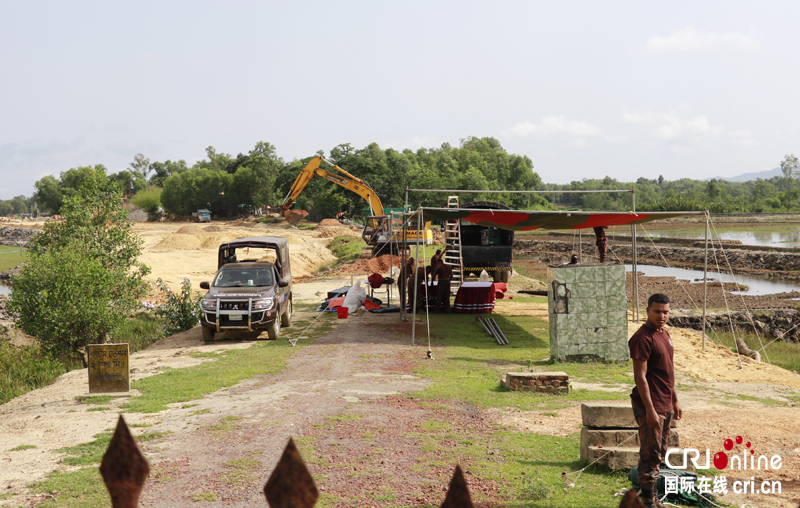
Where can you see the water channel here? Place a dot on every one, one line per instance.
(781, 238)
(755, 285)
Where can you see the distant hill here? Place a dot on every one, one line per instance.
(746, 177)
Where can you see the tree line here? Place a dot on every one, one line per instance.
(228, 185)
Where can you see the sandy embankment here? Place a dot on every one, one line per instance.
(173, 251)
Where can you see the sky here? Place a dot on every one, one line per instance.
(584, 89)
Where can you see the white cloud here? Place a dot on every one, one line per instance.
(691, 39)
(685, 131)
(554, 126)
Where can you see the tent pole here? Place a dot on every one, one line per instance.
(705, 285)
(634, 264)
(403, 262)
(414, 304)
(580, 246)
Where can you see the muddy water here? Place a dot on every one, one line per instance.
(789, 237)
(755, 285)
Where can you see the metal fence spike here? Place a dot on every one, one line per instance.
(124, 468)
(291, 485)
(458, 493)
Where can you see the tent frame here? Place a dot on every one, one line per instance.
(634, 256)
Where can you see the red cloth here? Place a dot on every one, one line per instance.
(336, 302)
(371, 305)
(500, 289)
(475, 300)
(375, 280)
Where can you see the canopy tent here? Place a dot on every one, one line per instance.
(527, 220)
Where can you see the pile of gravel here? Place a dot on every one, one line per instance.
(138, 215)
(16, 236)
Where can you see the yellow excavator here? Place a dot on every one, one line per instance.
(380, 232)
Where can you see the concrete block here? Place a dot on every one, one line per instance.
(618, 458)
(610, 415)
(609, 438)
(607, 415)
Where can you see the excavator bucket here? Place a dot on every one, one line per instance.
(294, 216)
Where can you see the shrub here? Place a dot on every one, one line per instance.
(25, 369)
(149, 200)
(181, 311)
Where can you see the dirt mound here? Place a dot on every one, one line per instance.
(189, 230)
(376, 265)
(720, 364)
(196, 241)
(331, 232)
(329, 222)
(212, 229)
(307, 261)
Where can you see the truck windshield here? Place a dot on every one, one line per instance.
(253, 277)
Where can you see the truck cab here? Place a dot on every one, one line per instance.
(252, 290)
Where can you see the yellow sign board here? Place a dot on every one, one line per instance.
(109, 368)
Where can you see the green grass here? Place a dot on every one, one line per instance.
(95, 399)
(23, 447)
(469, 364)
(191, 383)
(781, 353)
(346, 248)
(83, 488)
(140, 331)
(11, 256)
(25, 369)
(204, 496)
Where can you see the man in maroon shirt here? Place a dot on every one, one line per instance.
(443, 274)
(654, 399)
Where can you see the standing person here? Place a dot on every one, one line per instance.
(421, 281)
(402, 279)
(437, 258)
(601, 242)
(443, 274)
(654, 399)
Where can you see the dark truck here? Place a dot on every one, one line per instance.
(485, 248)
(249, 295)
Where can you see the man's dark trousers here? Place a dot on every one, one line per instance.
(653, 446)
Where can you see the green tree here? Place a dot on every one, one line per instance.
(790, 166)
(140, 165)
(6, 208)
(163, 170)
(48, 194)
(82, 278)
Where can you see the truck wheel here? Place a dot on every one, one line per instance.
(504, 276)
(208, 334)
(274, 330)
(497, 276)
(286, 317)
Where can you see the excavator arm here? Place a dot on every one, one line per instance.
(344, 179)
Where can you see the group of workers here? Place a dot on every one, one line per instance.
(420, 277)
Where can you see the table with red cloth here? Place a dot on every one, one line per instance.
(475, 298)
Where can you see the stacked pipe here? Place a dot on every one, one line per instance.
(493, 329)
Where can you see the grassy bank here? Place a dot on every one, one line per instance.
(25, 369)
(10, 257)
(781, 353)
(28, 368)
